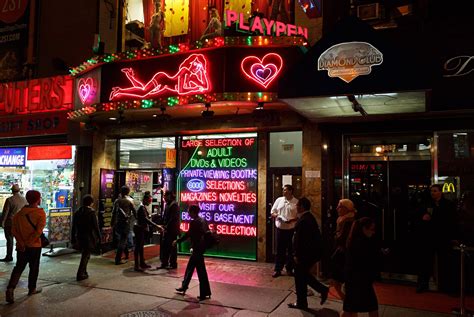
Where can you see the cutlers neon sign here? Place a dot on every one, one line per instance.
(262, 71)
(192, 77)
(263, 26)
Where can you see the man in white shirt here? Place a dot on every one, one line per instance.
(285, 215)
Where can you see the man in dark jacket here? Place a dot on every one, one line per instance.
(85, 234)
(307, 248)
(168, 252)
(121, 217)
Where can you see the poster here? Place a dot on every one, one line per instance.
(220, 175)
(106, 203)
(59, 225)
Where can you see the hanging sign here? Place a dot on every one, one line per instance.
(12, 156)
(262, 71)
(349, 60)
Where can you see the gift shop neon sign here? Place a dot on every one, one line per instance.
(262, 71)
(263, 26)
(192, 77)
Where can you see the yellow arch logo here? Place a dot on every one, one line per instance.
(448, 188)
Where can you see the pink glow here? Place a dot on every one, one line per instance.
(86, 89)
(191, 78)
(262, 71)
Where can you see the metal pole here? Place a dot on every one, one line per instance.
(462, 309)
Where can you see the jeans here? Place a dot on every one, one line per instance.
(9, 237)
(122, 231)
(85, 256)
(30, 256)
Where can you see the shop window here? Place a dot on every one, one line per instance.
(286, 149)
(151, 153)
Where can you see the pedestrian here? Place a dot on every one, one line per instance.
(168, 252)
(361, 269)
(12, 205)
(122, 216)
(141, 229)
(307, 246)
(27, 227)
(197, 228)
(285, 215)
(85, 234)
(436, 226)
(346, 215)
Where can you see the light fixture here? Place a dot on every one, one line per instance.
(325, 146)
(207, 113)
(378, 149)
(356, 106)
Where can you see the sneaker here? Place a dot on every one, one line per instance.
(34, 291)
(9, 297)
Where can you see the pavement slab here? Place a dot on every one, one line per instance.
(195, 308)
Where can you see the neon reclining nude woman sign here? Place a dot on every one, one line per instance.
(192, 77)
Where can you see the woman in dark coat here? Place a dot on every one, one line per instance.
(85, 234)
(361, 269)
(197, 229)
(141, 229)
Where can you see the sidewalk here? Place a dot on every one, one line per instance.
(238, 289)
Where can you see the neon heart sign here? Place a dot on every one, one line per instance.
(262, 71)
(86, 89)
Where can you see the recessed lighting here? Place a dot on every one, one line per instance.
(113, 118)
(155, 115)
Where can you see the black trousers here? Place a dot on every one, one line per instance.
(284, 256)
(426, 255)
(30, 256)
(168, 253)
(9, 237)
(196, 261)
(139, 246)
(122, 231)
(303, 278)
(85, 256)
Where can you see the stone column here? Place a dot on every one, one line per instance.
(262, 197)
(312, 148)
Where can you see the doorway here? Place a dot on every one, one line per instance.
(388, 179)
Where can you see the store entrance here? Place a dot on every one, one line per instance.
(388, 179)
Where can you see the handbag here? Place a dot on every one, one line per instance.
(44, 239)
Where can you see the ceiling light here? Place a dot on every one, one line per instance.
(113, 119)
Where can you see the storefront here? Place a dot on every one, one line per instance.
(37, 152)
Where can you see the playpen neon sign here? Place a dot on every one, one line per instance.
(192, 77)
(262, 71)
(263, 26)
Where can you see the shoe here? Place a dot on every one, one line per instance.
(82, 277)
(204, 297)
(7, 259)
(137, 269)
(9, 297)
(145, 266)
(181, 290)
(34, 291)
(120, 262)
(276, 274)
(324, 296)
(296, 306)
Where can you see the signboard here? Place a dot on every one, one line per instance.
(59, 225)
(12, 156)
(220, 176)
(106, 203)
(350, 60)
(87, 89)
(14, 19)
(55, 152)
(36, 96)
(38, 124)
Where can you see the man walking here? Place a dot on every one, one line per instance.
(307, 245)
(121, 218)
(27, 227)
(12, 205)
(168, 252)
(284, 213)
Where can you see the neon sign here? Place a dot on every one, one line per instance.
(192, 77)
(263, 26)
(36, 96)
(262, 71)
(220, 177)
(448, 188)
(86, 89)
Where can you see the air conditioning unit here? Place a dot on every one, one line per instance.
(369, 11)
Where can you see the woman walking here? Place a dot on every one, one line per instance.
(197, 228)
(361, 268)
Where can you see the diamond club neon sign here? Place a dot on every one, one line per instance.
(262, 71)
(192, 77)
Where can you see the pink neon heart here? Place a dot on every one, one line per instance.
(85, 88)
(263, 71)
